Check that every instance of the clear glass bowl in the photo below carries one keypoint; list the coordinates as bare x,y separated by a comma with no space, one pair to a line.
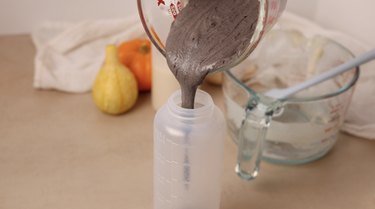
308,125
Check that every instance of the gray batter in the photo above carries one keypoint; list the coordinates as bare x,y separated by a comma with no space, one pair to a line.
205,36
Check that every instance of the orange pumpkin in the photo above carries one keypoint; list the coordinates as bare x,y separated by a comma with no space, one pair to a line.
136,55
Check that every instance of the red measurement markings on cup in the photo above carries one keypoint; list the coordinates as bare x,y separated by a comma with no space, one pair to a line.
174,7
273,12
173,10
179,6
161,2
335,117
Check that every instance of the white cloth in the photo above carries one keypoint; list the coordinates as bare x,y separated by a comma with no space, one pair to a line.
360,120
69,56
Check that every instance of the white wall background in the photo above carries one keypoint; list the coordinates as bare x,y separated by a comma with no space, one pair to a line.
21,16
306,8
355,17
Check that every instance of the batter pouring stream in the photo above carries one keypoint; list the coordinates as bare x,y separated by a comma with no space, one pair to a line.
205,36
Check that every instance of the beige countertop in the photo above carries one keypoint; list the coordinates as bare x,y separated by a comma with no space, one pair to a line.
57,151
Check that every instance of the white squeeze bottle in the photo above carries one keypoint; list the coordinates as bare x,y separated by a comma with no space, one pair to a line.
188,154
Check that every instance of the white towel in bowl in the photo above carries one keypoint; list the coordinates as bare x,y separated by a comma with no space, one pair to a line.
69,55
360,120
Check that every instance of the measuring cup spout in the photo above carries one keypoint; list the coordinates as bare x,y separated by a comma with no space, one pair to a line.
251,137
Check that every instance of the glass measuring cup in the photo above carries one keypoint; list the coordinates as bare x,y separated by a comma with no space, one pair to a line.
296,130
157,16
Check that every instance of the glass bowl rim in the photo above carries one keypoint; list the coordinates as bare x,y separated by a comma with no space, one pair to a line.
341,90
